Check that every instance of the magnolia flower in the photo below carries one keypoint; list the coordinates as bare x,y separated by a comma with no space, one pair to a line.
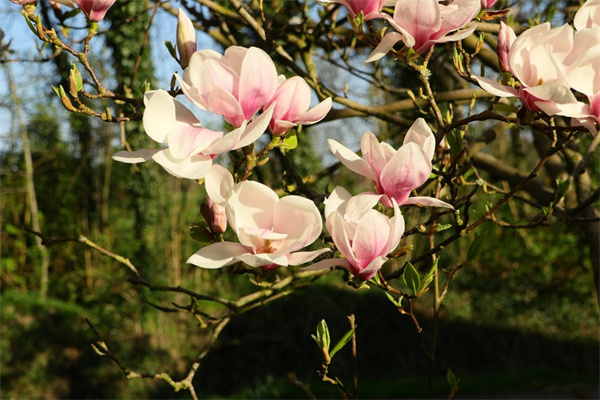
271,230
535,59
582,73
548,63
191,147
362,235
95,10
23,2
186,38
293,101
395,173
423,23
371,9
236,85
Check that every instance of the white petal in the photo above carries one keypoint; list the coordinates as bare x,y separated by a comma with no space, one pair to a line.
194,167
219,184
301,257
134,157
217,255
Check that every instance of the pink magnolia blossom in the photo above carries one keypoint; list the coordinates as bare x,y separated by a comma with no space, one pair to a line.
395,173
371,9
488,3
535,59
548,63
95,10
191,147
236,85
292,108
186,38
23,2
271,231
362,235
423,23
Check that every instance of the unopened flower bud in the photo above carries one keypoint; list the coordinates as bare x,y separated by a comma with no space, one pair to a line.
217,217
506,37
186,39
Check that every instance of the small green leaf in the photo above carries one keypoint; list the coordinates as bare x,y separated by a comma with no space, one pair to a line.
411,279
56,91
454,139
171,49
428,278
342,342
76,77
451,378
201,234
475,248
290,141
562,186
323,339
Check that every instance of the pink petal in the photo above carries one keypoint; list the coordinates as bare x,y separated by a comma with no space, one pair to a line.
386,44
371,269
371,237
217,255
351,160
407,170
315,114
339,235
420,19
222,102
373,152
188,140
306,226
258,81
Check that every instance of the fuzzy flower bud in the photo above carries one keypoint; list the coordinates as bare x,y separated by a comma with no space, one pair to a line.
186,39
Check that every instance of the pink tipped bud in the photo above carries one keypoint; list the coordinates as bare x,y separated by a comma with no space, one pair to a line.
186,39
488,3
95,10
506,37
217,217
